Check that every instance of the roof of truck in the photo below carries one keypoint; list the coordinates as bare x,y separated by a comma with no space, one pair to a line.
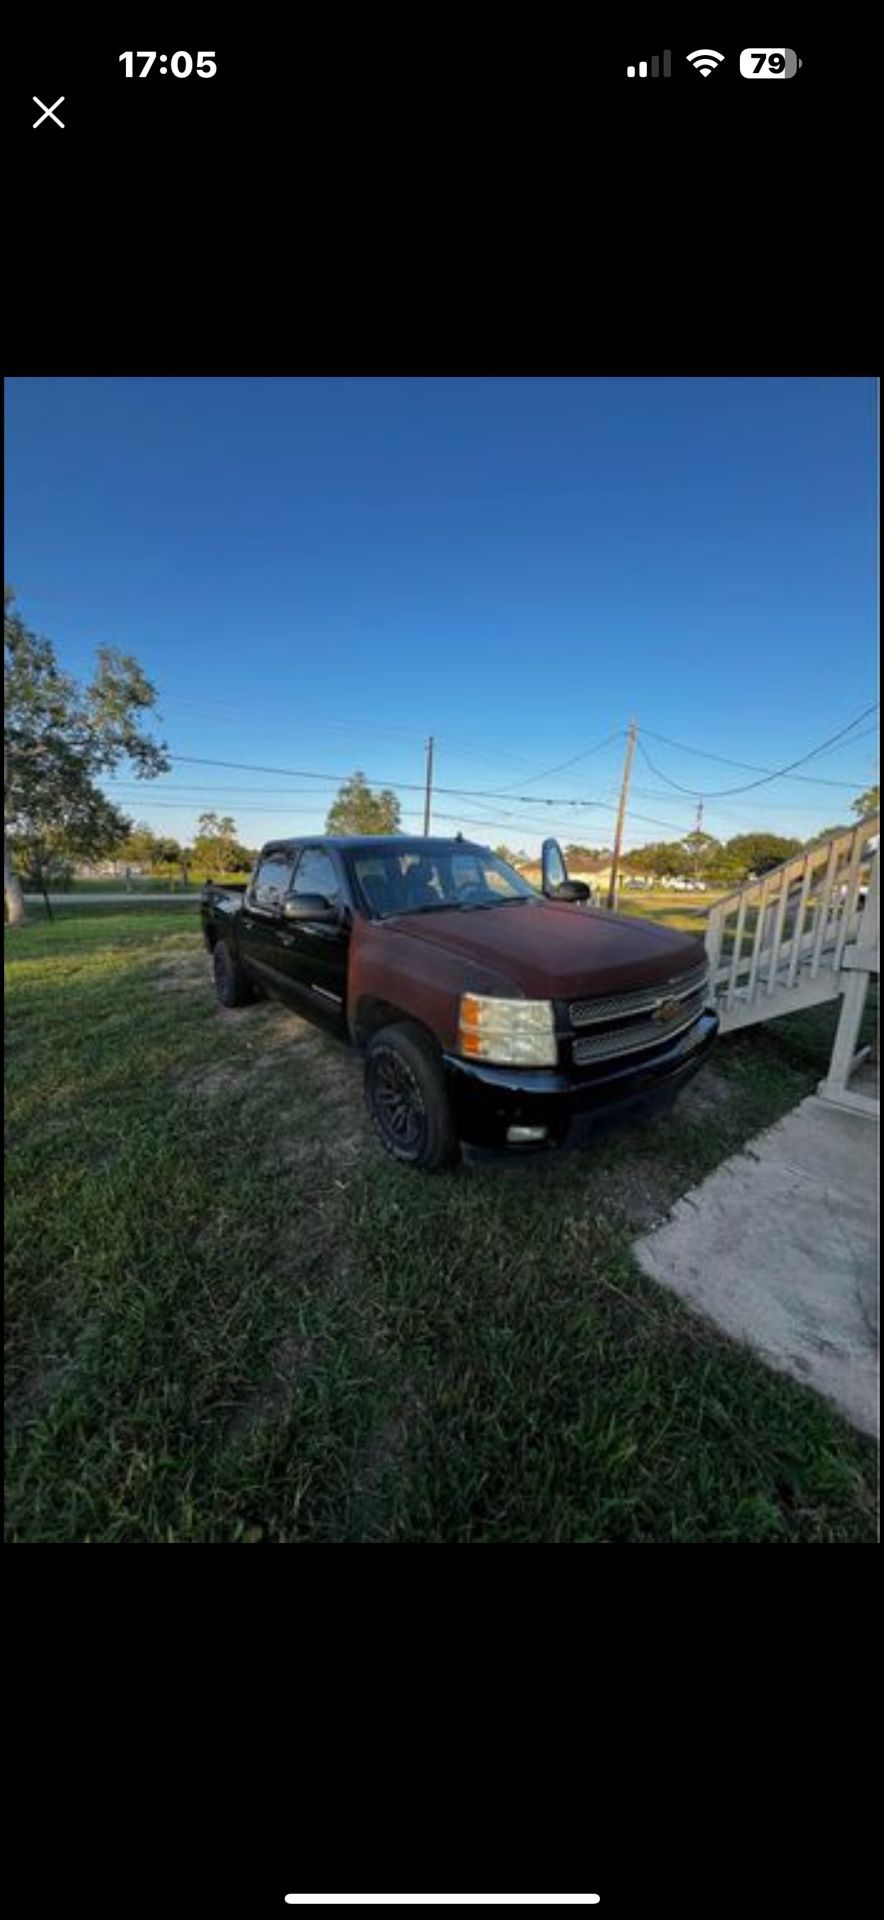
375,842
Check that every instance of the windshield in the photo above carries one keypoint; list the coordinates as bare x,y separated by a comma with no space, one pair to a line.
408,880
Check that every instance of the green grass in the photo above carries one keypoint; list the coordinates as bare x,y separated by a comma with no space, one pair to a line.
230,1318
667,912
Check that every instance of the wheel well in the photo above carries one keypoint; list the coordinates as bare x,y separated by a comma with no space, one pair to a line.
211,937
372,1014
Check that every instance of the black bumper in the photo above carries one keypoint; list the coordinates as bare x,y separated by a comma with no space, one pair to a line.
570,1105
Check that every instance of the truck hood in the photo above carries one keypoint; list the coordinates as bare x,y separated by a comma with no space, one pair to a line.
553,951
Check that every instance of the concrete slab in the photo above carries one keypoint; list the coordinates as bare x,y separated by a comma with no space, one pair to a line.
779,1248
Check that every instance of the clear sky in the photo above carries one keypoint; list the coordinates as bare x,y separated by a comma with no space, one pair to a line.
318,573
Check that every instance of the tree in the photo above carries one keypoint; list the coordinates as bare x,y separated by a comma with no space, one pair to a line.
748,854
169,858
59,739
139,848
659,858
216,848
158,852
43,866
358,810
211,824
868,802
701,850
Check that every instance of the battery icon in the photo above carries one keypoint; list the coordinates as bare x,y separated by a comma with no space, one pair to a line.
769,63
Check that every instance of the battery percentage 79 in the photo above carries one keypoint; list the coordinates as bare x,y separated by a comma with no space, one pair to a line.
769,63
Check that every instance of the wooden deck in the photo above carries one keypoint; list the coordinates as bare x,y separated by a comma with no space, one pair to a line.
805,933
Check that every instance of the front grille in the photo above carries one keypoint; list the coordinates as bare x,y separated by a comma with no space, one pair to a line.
642,1033
619,1006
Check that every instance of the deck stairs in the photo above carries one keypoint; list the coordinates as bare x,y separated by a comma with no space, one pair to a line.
802,934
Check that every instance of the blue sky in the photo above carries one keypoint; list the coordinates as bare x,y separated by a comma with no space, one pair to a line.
318,573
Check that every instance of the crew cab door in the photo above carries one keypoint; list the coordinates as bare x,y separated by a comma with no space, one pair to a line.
260,917
312,954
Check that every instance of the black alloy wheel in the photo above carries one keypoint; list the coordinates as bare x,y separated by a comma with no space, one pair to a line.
398,1102
407,1097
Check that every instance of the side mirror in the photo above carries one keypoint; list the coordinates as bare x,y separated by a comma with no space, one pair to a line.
309,906
554,873
555,882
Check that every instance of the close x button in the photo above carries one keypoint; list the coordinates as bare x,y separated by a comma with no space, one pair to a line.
48,113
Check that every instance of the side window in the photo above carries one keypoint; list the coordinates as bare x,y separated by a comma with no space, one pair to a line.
271,881
317,874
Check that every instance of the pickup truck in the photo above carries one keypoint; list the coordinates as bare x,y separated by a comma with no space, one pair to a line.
494,1018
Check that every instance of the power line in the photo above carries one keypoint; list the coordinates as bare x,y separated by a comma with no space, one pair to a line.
457,745
129,793
508,822
413,786
814,780
713,793
727,813
564,764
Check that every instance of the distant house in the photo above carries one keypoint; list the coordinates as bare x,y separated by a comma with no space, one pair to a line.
596,873
111,869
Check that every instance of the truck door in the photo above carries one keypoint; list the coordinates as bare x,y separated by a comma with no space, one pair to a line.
260,919
313,953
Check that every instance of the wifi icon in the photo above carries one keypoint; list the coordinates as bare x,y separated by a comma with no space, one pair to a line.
705,60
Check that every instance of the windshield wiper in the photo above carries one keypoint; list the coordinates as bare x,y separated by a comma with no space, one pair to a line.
436,906
457,906
481,906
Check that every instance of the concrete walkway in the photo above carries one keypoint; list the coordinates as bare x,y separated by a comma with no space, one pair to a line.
779,1248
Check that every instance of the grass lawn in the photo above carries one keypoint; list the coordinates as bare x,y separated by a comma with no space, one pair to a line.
683,911
230,1318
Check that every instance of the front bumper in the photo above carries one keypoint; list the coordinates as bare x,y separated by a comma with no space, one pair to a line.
570,1104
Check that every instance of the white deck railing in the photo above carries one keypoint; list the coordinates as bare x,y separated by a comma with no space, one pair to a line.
804,933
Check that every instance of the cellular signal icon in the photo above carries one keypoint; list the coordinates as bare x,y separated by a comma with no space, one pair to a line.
705,60
642,68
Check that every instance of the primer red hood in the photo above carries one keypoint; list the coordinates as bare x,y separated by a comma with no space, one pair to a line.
551,950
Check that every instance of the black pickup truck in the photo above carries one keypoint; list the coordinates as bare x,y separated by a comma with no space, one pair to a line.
493,1018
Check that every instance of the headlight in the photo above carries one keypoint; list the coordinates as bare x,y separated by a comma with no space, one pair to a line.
512,1033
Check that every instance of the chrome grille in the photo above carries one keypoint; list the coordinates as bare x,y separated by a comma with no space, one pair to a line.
619,1006
644,1033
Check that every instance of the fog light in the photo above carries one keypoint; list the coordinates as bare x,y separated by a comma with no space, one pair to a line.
517,1135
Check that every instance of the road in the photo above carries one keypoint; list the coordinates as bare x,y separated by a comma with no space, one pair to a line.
118,899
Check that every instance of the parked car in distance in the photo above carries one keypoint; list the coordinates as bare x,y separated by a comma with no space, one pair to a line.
493,1018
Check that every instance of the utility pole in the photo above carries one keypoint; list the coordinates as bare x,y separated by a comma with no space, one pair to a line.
698,830
429,787
621,817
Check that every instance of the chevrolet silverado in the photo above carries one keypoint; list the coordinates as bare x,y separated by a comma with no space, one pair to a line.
493,1018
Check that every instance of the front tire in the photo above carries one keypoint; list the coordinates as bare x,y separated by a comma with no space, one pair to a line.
407,1099
232,985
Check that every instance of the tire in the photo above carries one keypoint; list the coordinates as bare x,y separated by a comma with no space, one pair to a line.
406,1098
231,984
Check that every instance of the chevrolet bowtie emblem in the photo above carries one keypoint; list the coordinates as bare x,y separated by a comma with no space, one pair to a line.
667,1010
